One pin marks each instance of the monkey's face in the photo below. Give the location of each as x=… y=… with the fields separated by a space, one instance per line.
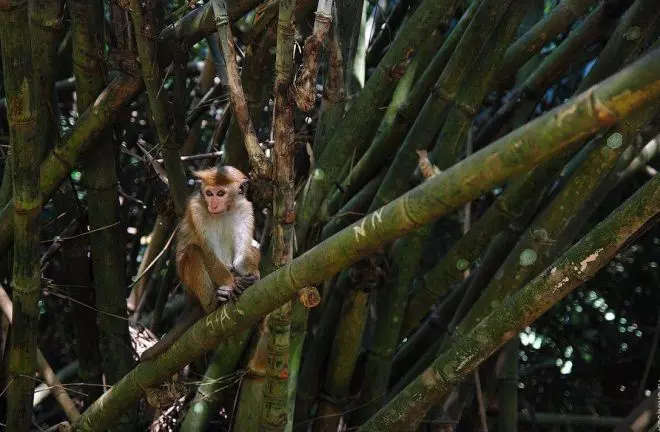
x=218 y=199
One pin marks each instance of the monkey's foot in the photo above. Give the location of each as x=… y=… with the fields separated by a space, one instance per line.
x=226 y=294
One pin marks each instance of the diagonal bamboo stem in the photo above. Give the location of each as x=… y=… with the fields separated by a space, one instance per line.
x=531 y=145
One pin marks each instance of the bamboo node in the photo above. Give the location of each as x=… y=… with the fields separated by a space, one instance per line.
x=309 y=297
x=600 y=110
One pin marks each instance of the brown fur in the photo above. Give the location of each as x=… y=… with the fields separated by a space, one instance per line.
x=199 y=266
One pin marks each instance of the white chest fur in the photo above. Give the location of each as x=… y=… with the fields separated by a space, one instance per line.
x=228 y=239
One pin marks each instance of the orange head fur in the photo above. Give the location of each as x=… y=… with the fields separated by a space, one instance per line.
x=221 y=187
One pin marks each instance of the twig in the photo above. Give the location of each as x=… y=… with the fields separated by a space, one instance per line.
x=198 y=157
x=480 y=401
x=305 y=87
x=152 y=263
x=57 y=242
x=261 y=165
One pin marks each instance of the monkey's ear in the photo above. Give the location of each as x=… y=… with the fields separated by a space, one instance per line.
x=242 y=189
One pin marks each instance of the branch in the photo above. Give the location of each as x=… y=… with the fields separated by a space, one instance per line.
x=261 y=165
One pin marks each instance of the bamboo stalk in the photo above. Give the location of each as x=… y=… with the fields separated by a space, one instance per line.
x=107 y=233
x=557 y=21
x=145 y=26
x=531 y=145
x=57 y=165
x=454 y=77
x=407 y=99
x=27 y=145
x=576 y=266
x=277 y=411
x=360 y=120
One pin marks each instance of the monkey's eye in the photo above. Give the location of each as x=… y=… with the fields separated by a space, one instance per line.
x=221 y=193
x=209 y=193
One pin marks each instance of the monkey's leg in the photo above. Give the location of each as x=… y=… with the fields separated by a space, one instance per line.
x=196 y=278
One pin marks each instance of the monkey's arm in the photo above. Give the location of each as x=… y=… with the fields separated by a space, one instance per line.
x=252 y=274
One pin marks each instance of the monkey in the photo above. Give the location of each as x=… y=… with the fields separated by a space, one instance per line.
x=215 y=258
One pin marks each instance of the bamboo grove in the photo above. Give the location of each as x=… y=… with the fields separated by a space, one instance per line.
x=430 y=177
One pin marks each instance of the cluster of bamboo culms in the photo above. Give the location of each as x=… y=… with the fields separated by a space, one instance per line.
x=398 y=154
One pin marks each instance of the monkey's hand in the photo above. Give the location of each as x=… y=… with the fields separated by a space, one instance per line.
x=226 y=293
x=242 y=282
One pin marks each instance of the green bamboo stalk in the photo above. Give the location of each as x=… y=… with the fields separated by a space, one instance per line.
x=360 y=121
x=630 y=36
x=428 y=121
x=539 y=240
x=524 y=98
x=27 y=146
x=454 y=132
x=536 y=246
x=466 y=250
x=100 y=180
x=531 y=145
x=579 y=264
x=507 y=418
x=390 y=305
x=511 y=205
x=558 y=21
x=145 y=26
x=57 y=164
x=45 y=27
x=341 y=362
x=447 y=150
x=209 y=394
x=408 y=98
x=278 y=392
